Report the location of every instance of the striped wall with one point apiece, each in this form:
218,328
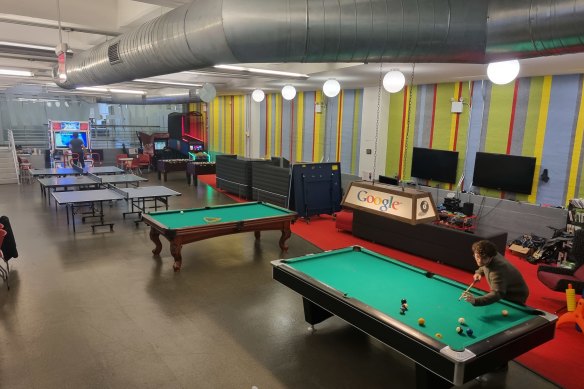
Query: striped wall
309,128
227,118
313,128
542,117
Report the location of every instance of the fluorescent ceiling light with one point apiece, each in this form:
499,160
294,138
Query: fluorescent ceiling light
21,73
24,99
92,89
261,71
166,82
28,46
128,91
102,89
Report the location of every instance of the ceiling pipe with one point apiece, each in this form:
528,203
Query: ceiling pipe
163,96
210,32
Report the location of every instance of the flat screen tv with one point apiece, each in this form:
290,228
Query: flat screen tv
508,173
62,138
388,180
433,164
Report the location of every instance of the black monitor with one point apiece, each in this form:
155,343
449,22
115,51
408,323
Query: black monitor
509,173
433,164
388,180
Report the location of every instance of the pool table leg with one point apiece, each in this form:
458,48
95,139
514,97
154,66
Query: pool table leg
155,237
175,249
286,234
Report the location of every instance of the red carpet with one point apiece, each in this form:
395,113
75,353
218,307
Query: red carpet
559,360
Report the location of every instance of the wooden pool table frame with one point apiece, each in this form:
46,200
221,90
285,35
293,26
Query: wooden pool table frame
437,365
181,236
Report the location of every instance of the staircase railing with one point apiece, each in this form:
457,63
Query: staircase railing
12,147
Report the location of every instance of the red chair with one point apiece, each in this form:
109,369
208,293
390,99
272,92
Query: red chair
121,164
135,166
24,167
144,161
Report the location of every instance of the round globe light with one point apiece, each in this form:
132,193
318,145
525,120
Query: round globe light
288,92
331,88
258,95
394,81
504,72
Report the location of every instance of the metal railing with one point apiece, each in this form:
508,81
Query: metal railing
12,147
102,136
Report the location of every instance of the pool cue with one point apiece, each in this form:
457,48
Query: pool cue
467,289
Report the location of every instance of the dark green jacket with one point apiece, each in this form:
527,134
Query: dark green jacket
505,281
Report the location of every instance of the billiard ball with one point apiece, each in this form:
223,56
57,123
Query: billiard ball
405,306
459,330
504,312
421,321
402,311
469,332
182,211
439,335
461,320
404,301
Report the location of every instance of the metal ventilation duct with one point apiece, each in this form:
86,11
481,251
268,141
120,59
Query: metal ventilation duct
210,32
164,96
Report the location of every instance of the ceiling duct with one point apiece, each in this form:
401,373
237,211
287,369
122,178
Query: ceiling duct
210,32
163,96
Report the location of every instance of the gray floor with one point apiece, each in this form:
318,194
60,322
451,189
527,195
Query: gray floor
98,311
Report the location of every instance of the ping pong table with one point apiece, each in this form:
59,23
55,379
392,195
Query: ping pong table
137,198
89,181
75,171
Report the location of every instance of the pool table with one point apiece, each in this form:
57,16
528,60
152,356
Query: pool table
366,289
190,225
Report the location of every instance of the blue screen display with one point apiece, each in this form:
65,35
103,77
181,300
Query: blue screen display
62,138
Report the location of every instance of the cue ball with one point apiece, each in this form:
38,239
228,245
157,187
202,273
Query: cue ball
504,312
421,321
182,211
461,320
459,330
469,332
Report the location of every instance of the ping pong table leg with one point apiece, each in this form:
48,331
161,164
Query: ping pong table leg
72,215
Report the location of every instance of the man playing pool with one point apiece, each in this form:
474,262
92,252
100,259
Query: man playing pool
505,281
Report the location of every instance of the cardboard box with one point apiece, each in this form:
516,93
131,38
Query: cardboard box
520,250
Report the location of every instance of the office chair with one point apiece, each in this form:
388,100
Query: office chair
557,278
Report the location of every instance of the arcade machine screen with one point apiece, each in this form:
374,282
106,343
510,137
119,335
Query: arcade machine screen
159,145
62,138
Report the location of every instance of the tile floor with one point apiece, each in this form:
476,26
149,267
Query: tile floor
98,311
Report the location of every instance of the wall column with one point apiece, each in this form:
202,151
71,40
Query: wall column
252,132
369,125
